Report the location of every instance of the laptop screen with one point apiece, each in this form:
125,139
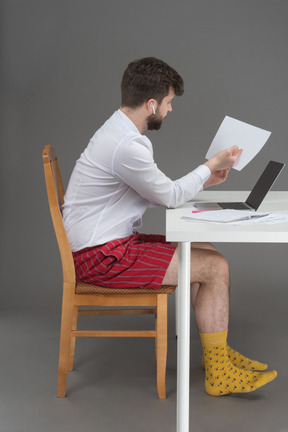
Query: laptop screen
264,184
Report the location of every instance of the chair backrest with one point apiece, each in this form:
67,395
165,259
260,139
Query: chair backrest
55,192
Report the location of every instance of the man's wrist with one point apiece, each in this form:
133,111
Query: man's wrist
210,165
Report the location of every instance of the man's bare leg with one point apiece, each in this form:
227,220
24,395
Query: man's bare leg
195,286
235,357
210,298
209,287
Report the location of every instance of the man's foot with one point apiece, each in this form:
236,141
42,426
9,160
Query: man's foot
241,362
222,377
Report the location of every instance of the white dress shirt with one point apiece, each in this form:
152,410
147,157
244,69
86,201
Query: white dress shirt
115,180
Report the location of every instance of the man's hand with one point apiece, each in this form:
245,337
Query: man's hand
217,177
220,165
224,159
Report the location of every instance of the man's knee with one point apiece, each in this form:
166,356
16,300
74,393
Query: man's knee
219,266
208,266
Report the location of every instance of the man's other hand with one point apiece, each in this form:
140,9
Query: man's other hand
224,159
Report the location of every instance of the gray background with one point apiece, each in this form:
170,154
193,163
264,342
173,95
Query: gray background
61,66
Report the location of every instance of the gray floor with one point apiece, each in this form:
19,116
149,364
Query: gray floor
113,385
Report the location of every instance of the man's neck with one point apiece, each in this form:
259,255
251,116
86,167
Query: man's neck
136,116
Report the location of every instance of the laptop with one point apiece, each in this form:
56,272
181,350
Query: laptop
258,193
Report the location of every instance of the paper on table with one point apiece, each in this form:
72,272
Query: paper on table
224,216
270,219
235,132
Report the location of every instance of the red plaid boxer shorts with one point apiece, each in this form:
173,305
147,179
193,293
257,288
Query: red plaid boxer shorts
140,260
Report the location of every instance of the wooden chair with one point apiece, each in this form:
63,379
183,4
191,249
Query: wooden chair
78,294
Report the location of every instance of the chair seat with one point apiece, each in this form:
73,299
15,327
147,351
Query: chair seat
86,288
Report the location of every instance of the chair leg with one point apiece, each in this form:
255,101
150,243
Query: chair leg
73,339
65,339
161,344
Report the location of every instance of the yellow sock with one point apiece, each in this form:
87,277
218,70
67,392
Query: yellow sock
221,376
241,361
244,362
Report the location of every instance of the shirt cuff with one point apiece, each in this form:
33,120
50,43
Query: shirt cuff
203,172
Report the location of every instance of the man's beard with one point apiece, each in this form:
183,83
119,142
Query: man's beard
154,121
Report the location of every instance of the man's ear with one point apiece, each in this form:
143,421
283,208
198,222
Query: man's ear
151,105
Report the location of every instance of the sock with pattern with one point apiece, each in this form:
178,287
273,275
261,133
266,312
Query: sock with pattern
221,376
241,361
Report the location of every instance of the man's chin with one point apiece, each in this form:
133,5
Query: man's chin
155,127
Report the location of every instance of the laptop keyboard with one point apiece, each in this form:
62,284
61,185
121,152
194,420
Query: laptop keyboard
234,205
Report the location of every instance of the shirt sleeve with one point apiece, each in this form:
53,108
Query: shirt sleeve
134,165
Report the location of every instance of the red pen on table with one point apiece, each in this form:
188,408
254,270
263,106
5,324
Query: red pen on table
199,211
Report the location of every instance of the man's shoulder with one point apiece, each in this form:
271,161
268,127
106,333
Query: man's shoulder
134,142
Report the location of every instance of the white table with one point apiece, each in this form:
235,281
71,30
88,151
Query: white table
184,232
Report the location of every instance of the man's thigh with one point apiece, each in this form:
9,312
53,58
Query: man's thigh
202,255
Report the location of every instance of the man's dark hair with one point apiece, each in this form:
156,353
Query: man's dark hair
149,78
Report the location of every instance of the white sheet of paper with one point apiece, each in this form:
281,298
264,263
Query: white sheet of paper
224,216
235,132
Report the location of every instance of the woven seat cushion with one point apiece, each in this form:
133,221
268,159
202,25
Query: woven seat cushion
85,288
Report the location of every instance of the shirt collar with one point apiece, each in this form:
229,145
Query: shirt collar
127,120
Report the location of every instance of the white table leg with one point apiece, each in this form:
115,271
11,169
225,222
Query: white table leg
183,342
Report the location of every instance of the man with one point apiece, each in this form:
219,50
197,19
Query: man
114,182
